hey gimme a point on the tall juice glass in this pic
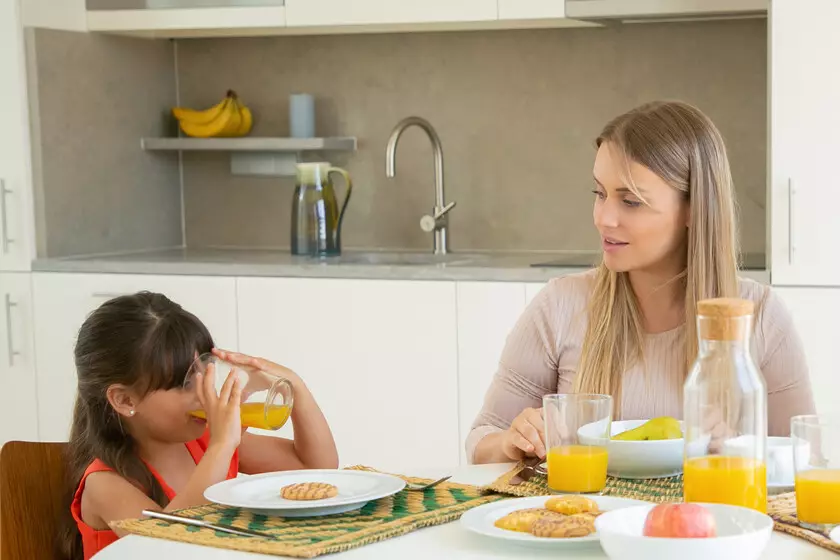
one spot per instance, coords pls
(725, 410)
(577, 430)
(818, 470)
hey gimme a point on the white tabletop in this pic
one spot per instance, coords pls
(447, 541)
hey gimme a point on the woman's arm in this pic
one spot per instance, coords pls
(313, 446)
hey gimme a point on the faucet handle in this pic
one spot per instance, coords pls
(431, 223)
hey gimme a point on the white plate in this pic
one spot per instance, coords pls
(481, 520)
(835, 535)
(261, 493)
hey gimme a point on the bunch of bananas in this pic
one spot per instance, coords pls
(228, 118)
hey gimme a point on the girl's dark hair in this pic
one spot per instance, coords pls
(143, 341)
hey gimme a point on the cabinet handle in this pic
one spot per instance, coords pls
(791, 246)
(9, 339)
(4, 217)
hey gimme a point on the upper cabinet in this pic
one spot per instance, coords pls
(367, 13)
(17, 236)
(661, 9)
(804, 193)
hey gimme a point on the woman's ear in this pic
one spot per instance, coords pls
(122, 400)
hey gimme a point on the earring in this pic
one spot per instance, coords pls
(131, 412)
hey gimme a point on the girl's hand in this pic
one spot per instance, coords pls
(245, 361)
(525, 437)
(223, 409)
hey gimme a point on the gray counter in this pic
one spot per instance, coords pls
(496, 267)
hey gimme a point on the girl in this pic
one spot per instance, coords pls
(133, 444)
(665, 212)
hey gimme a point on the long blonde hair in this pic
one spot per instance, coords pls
(683, 147)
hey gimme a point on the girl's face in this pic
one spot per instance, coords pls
(635, 235)
(165, 416)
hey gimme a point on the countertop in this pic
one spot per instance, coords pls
(472, 266)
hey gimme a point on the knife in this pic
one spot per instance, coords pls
(206, 524)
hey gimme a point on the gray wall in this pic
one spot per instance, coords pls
(94, 98)
(517, 112)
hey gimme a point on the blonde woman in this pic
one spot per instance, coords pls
(665, 212)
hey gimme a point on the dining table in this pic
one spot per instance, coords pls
(450, 541)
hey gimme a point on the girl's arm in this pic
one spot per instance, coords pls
(313, 446)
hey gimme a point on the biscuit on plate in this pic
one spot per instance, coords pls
(521, 520)
(564, 527)
(309, 491)
(570, 505)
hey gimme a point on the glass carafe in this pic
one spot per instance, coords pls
(725, 410)
(316, 213)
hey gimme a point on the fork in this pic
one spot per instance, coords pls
(412, 486)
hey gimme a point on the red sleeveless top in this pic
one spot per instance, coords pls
(94, 540)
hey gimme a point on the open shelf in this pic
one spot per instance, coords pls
(249, 144)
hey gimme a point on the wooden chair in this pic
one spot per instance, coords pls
(32, 493)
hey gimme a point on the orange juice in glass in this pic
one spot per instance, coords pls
(817, 476)
(576, 465)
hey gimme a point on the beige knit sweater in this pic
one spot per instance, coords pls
(544, 347)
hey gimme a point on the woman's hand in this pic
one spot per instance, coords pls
(525, 437)
(222, 410)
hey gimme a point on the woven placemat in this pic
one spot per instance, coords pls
(309, 537)
(782, 507)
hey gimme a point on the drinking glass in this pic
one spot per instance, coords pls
(817, 470)
(266, 401)
(577, 431)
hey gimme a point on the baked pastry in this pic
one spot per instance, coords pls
(523, 519)
(570, 505)
(309, 491)
(564, 527)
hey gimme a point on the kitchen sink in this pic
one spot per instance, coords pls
(407, 259)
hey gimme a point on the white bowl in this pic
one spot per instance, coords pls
(780, 452)
(636, 459)
(742, 534)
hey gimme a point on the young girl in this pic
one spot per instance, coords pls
(133, 444)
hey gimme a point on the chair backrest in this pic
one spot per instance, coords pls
(32, 493)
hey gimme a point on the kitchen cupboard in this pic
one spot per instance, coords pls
(380, 356)
(18, 399)
(17, 231)
(303, 13)
(486, 313)
(813, 310)
(803, 191)
(63, 301)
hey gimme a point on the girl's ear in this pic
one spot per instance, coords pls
(122, 400)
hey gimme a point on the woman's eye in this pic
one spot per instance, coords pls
(599, 194)
(632, 203)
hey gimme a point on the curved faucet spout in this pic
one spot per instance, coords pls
(391, 153)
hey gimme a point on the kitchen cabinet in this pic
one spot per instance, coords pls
(63, 301)
(310, 13)
(18, 399)
(17, 232)
(812, 309)
(486, 313)
(531, 9)
(68, 15)
(380, 356)
(803, 191)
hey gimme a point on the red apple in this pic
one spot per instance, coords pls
(680, 521)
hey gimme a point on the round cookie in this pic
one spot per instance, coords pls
(570, 505)
(309, 491)
(522, 520)
(564, 527)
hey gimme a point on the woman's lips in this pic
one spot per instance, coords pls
(611, 245)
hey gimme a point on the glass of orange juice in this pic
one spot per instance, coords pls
(817, 471)
(267, 399)
(577, 465)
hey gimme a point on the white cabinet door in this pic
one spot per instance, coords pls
(486, 313)
(814, 312)
(804, 189)
(380, 357)
(63, 301)
(300, 13)
(531, 9)
(69, 15)
(16, 218)
(18, 398)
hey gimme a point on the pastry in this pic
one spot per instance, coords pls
(564, 527)
(570, 505)
(309, 491)
(523, 519)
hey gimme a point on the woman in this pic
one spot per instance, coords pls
(665, 212)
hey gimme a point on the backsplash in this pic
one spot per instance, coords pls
(517, 112)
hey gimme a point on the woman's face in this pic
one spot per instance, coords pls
(635, 235)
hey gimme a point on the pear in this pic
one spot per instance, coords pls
(660, 428)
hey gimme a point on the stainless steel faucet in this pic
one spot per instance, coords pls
(438, 221)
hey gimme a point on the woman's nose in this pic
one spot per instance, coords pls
(606, 214)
